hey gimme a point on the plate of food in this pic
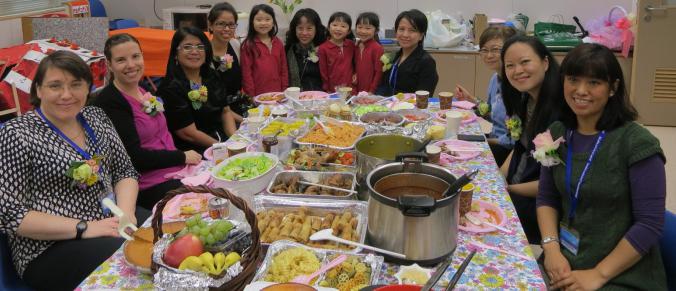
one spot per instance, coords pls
(485, 211)
(138, 252)
(457, 150)
(414, 115)
(313, 95)
(310, 158)
(342, 135)
(270, 98)
(467, 116)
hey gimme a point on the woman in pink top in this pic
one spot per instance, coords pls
(264, 67)
(139, 120)
(368, 66)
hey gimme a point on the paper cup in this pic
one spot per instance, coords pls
(433, 154)
(445, 100)
(236, 147)
(292, 92)
(466, 199)
(421, 99)
(453, 121)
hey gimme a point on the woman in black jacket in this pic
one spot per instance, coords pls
(412, 68)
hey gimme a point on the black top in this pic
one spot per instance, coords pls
(119, 111)
(180, 113)
(231, 78)
(310, 78)
(417, 72)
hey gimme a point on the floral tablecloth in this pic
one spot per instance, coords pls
(488, 269)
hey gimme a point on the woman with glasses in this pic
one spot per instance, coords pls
(490, 44)
(195, 100)
(222, 21)
(411, 68)
(57, 163)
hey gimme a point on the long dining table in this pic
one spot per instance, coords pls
(503, 261)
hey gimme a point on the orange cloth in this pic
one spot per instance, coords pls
(155, 44)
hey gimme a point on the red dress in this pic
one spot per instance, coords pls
(368, 66)
(264, 69)
(335, 64)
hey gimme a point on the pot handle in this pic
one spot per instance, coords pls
(416, 205)
(422, 157)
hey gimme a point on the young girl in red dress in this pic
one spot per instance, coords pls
(368, 67)
(263, 57)
(335, 54)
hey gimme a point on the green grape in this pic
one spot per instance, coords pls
(190, 222)
(210, 240)
(225, 227)
(204, 231)
(202, 223)
(195, 230)
(182, 232)
(218, 235)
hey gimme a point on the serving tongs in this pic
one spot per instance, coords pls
(125, 227)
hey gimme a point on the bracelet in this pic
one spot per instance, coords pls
(549, 239)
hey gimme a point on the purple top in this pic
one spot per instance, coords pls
(154, 135)
(648, 206)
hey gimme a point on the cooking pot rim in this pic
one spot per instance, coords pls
(393, 202)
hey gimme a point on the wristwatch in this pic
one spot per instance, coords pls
(549, 239)
(80, 228)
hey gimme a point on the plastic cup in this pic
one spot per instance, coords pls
(445, 100)
(254, 123)
(453, 120)
(466, 199)
(422, 99)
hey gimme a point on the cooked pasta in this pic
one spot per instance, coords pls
(340, 135)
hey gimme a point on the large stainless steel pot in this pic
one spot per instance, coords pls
(410, 221)
(378, 149)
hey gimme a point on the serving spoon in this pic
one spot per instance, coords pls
(327, 234)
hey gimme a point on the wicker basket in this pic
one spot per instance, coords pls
(251, 257)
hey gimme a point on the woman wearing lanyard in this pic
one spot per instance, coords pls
(412, 68)
(57, 163)
(139, 120)
(601, 210)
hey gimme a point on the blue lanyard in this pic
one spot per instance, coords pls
(86, 126)
(569, 170)
(393, 74)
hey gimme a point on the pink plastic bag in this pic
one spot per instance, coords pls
(613, 31)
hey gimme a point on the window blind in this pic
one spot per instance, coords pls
(9, 7)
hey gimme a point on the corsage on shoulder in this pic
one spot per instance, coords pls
(546, 149)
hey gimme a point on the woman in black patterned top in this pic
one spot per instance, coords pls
(57, 229)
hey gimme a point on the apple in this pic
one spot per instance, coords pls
(181, 248)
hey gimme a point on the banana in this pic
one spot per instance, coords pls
(191, 263)
(231, 259)
(208, 261)
(219, 258)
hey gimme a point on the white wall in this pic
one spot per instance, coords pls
(142, 10)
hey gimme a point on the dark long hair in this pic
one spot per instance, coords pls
(417, 19)
(174, 69)
(311, 16)
(251, 34)
(549, 99)
(598, 62)
(369, 18)
(340, 16)
(218, 9)
(62, 60)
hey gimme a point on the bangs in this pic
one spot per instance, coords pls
(591, 65)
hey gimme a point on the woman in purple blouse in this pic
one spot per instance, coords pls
(139, 120)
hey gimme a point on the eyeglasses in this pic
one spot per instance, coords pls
(224, 25)
(495, 51)
(192, 47)
(60, 87)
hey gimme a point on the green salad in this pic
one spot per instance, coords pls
(245, 168)
(361, 110)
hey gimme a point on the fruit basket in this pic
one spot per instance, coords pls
(235, 277)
